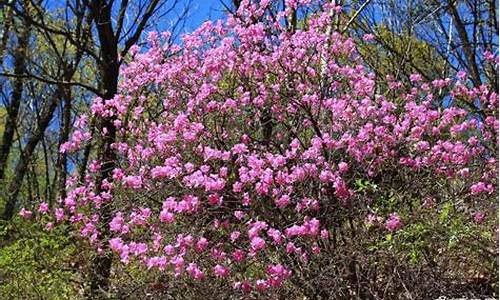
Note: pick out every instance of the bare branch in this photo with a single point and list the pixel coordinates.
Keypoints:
(54, 81)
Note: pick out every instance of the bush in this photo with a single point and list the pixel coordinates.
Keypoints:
(259, 159)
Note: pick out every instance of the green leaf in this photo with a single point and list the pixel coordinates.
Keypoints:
(445, 212)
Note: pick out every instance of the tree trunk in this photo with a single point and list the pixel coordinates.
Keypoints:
(15, 102)
(109, 69)
(7, 23)
(62, 158)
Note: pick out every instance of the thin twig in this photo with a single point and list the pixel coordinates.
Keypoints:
(355, 16)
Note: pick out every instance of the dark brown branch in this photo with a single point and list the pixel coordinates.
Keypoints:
(140, 27)
(469, 52)
(53, 81)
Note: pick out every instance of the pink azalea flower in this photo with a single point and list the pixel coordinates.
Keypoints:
(393, 223)
(26, 214)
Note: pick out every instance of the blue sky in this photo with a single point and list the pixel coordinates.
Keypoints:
(199, 12)
(204, 10)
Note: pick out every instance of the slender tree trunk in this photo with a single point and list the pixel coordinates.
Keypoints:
(15, 101)
(5, 33)
(62, 158)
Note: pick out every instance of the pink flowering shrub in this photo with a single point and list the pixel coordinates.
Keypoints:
(264, 158)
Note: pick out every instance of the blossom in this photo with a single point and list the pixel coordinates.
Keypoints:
(43, 208)
(202, 244)
(243, 285)
(324, 234)
(134, 182)
(220, 271)
(26, 214)
(234, 236)
(343, 167)
(478, 188)
(257, 244)
(479, 217)
(393, 223)
(116, 244)
(275, 235)
(49, 226)
(238, 255)
(461, 74)
(261, 285)
(59, 214)
(169, 249)
(488, 55)
(371, 219)
(195, 271)
(239, 214)
(283, 201)
(415, 77)
(166, 216)
(117, 222)
(368, 37)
